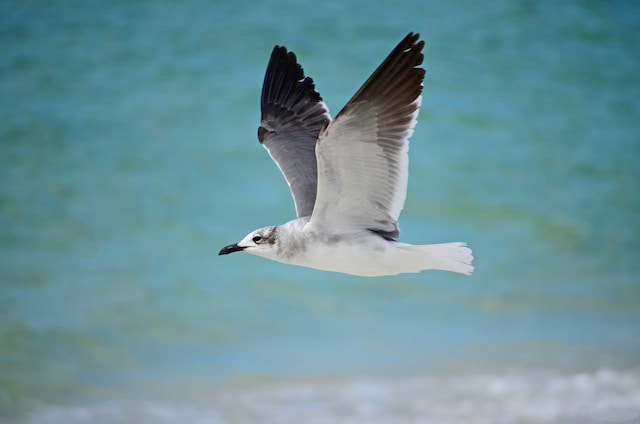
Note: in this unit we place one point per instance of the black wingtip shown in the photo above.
(399, 77)
(285, 81)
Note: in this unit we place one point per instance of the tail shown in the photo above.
(454, 257)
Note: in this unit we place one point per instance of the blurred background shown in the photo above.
(129, 157)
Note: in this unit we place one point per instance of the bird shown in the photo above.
(347, 175)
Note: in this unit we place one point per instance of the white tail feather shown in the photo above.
(454, 257)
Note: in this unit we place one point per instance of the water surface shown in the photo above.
(129, 157)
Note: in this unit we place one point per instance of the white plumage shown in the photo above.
(348, 176)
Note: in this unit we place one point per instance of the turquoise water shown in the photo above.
(129, 157)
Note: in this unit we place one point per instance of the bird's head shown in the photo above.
(261, 242)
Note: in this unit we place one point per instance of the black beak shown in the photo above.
(230, 249)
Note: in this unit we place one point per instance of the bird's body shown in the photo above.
(362, 253)
(348, 176)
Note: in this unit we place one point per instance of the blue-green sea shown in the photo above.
(129, 157)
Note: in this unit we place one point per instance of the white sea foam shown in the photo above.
(604, 396)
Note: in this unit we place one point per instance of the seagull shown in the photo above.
(348, 175)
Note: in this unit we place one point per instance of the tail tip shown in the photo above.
(463, 258)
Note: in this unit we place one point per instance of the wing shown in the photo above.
(363, 154)
(293, 114)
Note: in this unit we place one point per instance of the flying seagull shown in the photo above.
(348, 176)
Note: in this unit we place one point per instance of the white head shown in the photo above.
(261, 242)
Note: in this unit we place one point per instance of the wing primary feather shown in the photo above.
(292, 115)
(391, 80)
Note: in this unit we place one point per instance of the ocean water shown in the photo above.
(128, 157)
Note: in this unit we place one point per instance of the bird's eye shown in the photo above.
(257, 239)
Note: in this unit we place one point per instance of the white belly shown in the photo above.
(370, 255)
(366, 255)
